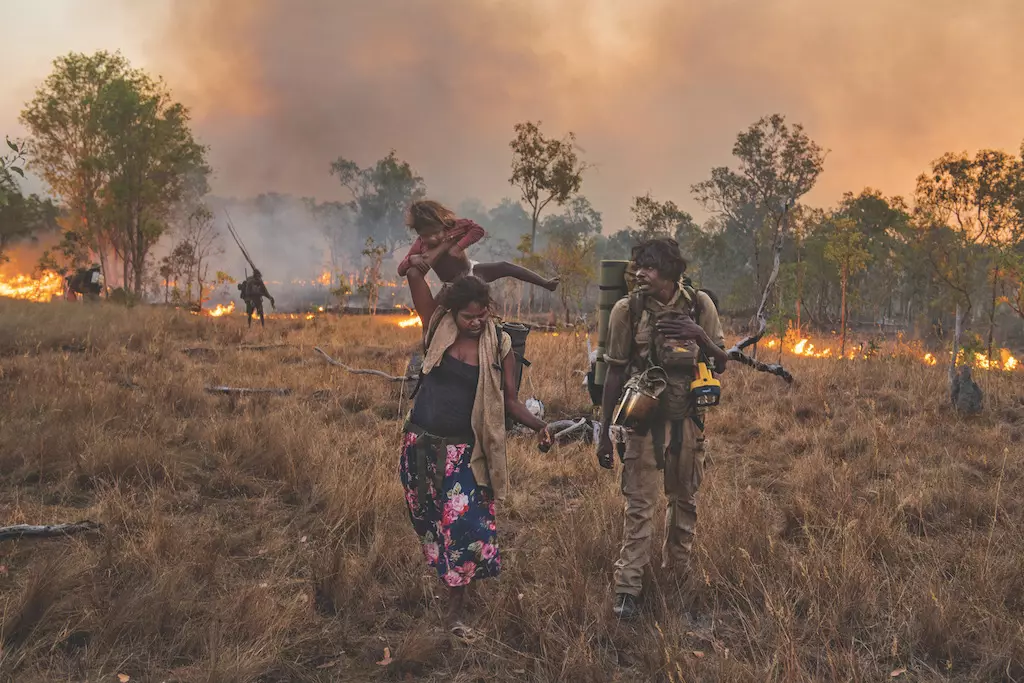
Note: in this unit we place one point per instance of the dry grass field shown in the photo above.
(852, 528)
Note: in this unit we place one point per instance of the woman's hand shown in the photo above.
(544, 439)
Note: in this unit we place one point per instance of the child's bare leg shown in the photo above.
(489, 272)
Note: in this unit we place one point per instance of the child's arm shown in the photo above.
(473, 234)
(417, 248)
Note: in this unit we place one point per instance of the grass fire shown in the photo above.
(340, 345)
(852, 508)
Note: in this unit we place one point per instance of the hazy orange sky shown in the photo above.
(655, 90)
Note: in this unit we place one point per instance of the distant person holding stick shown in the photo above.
(452, 463)
(441, 243)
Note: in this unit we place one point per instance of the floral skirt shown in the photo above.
(456, 526)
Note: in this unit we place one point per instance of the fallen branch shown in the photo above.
(262, 347)
(46, 530)
(197, 350)
(771, 368)
(245, 390)
(359, 371)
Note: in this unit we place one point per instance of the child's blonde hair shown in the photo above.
(426, 216)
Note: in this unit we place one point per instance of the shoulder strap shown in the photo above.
(692, 293)
(636, 311)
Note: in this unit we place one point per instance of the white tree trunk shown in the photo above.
(957, 333)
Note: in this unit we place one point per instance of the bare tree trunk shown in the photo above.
(957, 333)
(842, 314)
(760, 321)
(799, 286)
(533, 247)
(992, 310)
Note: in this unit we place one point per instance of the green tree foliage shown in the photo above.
(111, 142)
(776, 166)
(380, 196)
(846, 250)
(579, 220)
(656, 219)
(21, 216)
(969, 216)
(371, 280)
(10, 165)
(544, 169)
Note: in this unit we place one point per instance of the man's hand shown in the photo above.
(681, 328)
(604, 450)
(272, 304)
(419, 263)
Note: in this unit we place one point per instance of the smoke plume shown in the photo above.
(656, 90)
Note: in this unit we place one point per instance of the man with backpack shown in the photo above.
(253, 291)
(666, 325)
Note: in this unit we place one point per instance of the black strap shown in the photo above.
(422, 448)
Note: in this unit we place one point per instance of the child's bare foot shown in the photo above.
(552, 284)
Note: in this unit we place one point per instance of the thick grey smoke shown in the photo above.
(656, 90)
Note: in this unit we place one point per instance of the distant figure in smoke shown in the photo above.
(253, 291)
(441, 243)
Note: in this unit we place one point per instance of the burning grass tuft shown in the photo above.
(850, 525)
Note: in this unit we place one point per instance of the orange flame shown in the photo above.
(222, 310)
(414, 321)
(41, 289)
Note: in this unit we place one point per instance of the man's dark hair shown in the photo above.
(464, 291)
(663, 255)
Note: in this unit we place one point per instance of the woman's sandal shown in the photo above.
(465, 633)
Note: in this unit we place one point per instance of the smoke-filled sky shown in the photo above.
(656, 90)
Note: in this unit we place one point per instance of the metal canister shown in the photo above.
(640, 399)
(612, 288)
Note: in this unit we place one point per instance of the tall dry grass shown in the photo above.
(850, 526)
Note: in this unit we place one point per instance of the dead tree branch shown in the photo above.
(246, 390)
(359, 371)
(46, 530)
(760, 318)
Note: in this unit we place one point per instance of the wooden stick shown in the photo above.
(45, 530)
(359, 371)
(772, 368)
(245, 390)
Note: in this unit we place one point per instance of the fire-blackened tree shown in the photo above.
(777, 166)
(380, 195)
